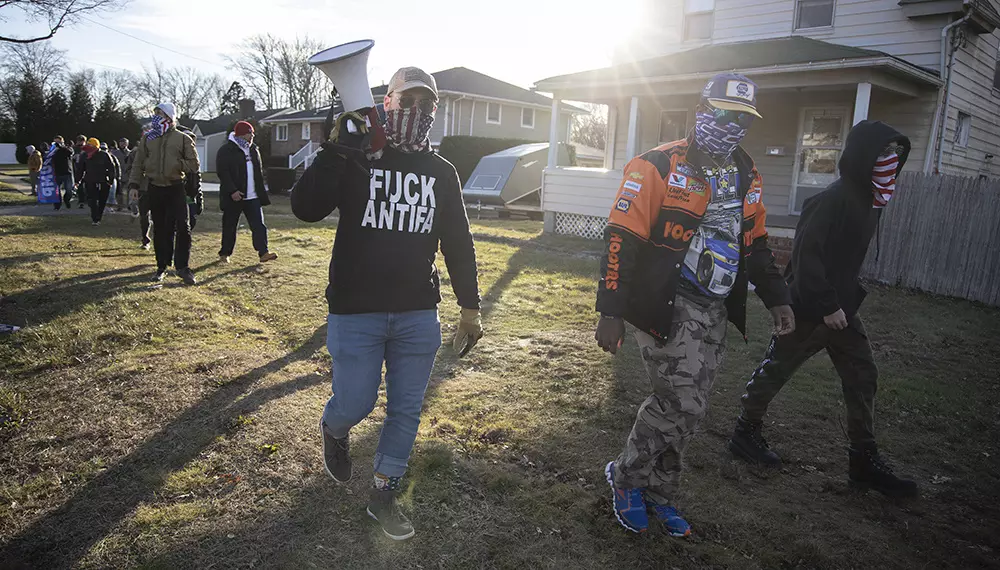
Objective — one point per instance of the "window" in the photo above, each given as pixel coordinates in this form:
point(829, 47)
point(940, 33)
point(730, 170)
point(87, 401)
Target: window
point(962, 129)
point(281, 132)
point(699, 18)
point(493, 113)
point(673, 126)
point(306, 131)
point(528, 118)
point(813, 14)
point(996, 74)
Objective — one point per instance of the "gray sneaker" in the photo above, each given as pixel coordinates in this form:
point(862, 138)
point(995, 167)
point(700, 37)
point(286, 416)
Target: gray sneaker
point(384, 508)
point(188, 276)
point(336, 456)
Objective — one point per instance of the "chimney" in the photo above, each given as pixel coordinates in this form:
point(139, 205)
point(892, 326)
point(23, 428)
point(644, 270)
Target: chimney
point(247, 107)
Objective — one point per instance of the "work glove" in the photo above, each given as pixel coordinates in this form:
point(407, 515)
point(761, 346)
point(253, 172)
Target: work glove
point(358, 135)
point(470, 330)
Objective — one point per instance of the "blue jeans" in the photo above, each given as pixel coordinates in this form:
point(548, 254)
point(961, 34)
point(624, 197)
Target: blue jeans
point(65, 183)
point(359, 344)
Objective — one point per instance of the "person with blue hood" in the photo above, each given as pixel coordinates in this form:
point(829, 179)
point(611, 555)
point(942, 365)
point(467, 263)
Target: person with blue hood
point(831, 242)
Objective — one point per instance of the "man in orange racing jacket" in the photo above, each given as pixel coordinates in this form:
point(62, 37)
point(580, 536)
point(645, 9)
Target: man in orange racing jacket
point(685, 235)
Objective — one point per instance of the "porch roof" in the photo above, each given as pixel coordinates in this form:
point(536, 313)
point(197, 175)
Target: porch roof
point(755, 58)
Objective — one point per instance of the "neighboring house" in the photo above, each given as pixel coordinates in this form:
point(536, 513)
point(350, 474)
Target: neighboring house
point(588, 156)
point(821, 66)
point(211, 134)
point(471, 103)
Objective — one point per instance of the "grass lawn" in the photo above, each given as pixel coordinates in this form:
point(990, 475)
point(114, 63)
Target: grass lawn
point(14, 169)
point(176, 427)
point(9, 196)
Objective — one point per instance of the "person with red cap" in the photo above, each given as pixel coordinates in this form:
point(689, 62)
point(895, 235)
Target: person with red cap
point(242, 191)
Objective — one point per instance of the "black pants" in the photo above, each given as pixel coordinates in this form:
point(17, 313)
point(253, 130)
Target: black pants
point(851, 354)
point(231, 221)
point(81, 193)
point(97, 196)
point(168, 208)
point(144, 217)
point(193, 215)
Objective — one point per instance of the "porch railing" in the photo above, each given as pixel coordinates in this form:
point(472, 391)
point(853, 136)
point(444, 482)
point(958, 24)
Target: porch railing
point(305, 153)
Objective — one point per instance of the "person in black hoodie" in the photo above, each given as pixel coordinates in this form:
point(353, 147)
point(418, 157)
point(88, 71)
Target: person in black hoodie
point(831, 242)
point(98, 173)
point(242, 191)
point(62, 167)
point(398, 200)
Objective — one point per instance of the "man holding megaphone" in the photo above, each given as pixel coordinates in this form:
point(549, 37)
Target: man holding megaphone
point(398, 200)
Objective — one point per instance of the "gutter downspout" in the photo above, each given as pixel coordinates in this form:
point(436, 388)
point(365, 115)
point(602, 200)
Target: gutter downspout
point(944, 98)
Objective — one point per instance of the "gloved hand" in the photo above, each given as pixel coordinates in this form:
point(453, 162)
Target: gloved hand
point(358, 135)
point(470, 330)
point(133, 195)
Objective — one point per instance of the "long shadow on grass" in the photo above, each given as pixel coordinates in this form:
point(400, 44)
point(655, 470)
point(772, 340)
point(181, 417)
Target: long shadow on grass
point(50, 301)
point(61, 538)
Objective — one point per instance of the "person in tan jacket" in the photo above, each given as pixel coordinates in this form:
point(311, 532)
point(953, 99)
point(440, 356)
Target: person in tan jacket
point(34, 167)
point(164, 156)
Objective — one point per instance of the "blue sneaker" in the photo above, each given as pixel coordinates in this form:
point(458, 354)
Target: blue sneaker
point(630, 508)
point(676, 526)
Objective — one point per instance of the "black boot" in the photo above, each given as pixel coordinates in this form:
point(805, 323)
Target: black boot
point(384, 508)
point(868, 471)
point(749, 445)
point(336, 455)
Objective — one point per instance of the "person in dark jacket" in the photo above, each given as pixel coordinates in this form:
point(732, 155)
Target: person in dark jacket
point(384, 290)
point(112, 198)
point(79, 157)
point(831, 241)
point(242, 191)
point(192, 187)
point(138, 201)
point(98, 174)
point(62, 167)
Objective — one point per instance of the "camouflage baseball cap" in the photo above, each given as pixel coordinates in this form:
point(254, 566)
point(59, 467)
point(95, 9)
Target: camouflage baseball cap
point(412, 77)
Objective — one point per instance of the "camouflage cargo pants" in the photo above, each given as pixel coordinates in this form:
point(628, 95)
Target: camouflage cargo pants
point(681, 373)
point(851, 354)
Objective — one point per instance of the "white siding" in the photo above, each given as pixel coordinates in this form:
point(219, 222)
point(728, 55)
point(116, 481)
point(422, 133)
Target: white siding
point(973, 93)
point(587, 191)
point(874, 24)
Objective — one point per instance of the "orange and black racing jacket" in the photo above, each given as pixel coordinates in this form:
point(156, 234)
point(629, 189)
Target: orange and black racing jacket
point(659, 206)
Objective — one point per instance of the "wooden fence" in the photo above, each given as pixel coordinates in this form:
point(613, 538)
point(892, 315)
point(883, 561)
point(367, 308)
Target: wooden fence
point(941, 234)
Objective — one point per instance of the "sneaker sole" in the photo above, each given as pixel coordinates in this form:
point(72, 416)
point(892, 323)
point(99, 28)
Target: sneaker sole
point(392, 536)
point(611, 483)
point(322, 436)
point(738, 452)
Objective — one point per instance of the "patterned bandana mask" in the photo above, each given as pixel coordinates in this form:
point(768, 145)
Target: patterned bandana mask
point(884, 179)
point(159, 126)
point(240, 142)
point(716, 139)
point(407, 129)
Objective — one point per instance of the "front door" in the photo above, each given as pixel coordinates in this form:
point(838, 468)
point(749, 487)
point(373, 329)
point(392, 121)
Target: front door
point(822, 132)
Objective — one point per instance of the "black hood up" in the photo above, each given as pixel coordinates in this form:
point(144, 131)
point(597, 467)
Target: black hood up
point(864, 143)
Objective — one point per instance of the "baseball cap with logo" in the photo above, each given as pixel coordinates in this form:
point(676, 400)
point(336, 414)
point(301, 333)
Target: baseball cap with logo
point(731, 92)
point(410, 78)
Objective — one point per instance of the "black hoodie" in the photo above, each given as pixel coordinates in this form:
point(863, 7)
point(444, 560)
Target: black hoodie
point(836, 228)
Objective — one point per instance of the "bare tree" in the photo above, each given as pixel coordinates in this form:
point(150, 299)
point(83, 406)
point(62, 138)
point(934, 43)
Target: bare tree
point(42, 60)
point(304, 85)
point(120, 85)
point(591, 130)
point(257, 64)
point(56, 13)
point(194, 92)
point(152, 86)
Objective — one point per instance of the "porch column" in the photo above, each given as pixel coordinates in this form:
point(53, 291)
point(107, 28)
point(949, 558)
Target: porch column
point(609, 138)
point(862, 101)
point(554, 132)
point(633, 119)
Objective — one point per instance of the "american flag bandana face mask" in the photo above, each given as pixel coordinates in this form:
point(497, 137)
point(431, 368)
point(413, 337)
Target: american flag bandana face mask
point(884, 179)
point(408, 129)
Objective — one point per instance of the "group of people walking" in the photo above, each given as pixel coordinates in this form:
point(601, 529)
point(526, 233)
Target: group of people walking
point(685, 238)
point(160, 181)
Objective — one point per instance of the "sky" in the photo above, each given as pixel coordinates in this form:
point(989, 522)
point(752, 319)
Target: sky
point(518, 41)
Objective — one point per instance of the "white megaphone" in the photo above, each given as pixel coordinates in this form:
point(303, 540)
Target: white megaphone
point(347, 67)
